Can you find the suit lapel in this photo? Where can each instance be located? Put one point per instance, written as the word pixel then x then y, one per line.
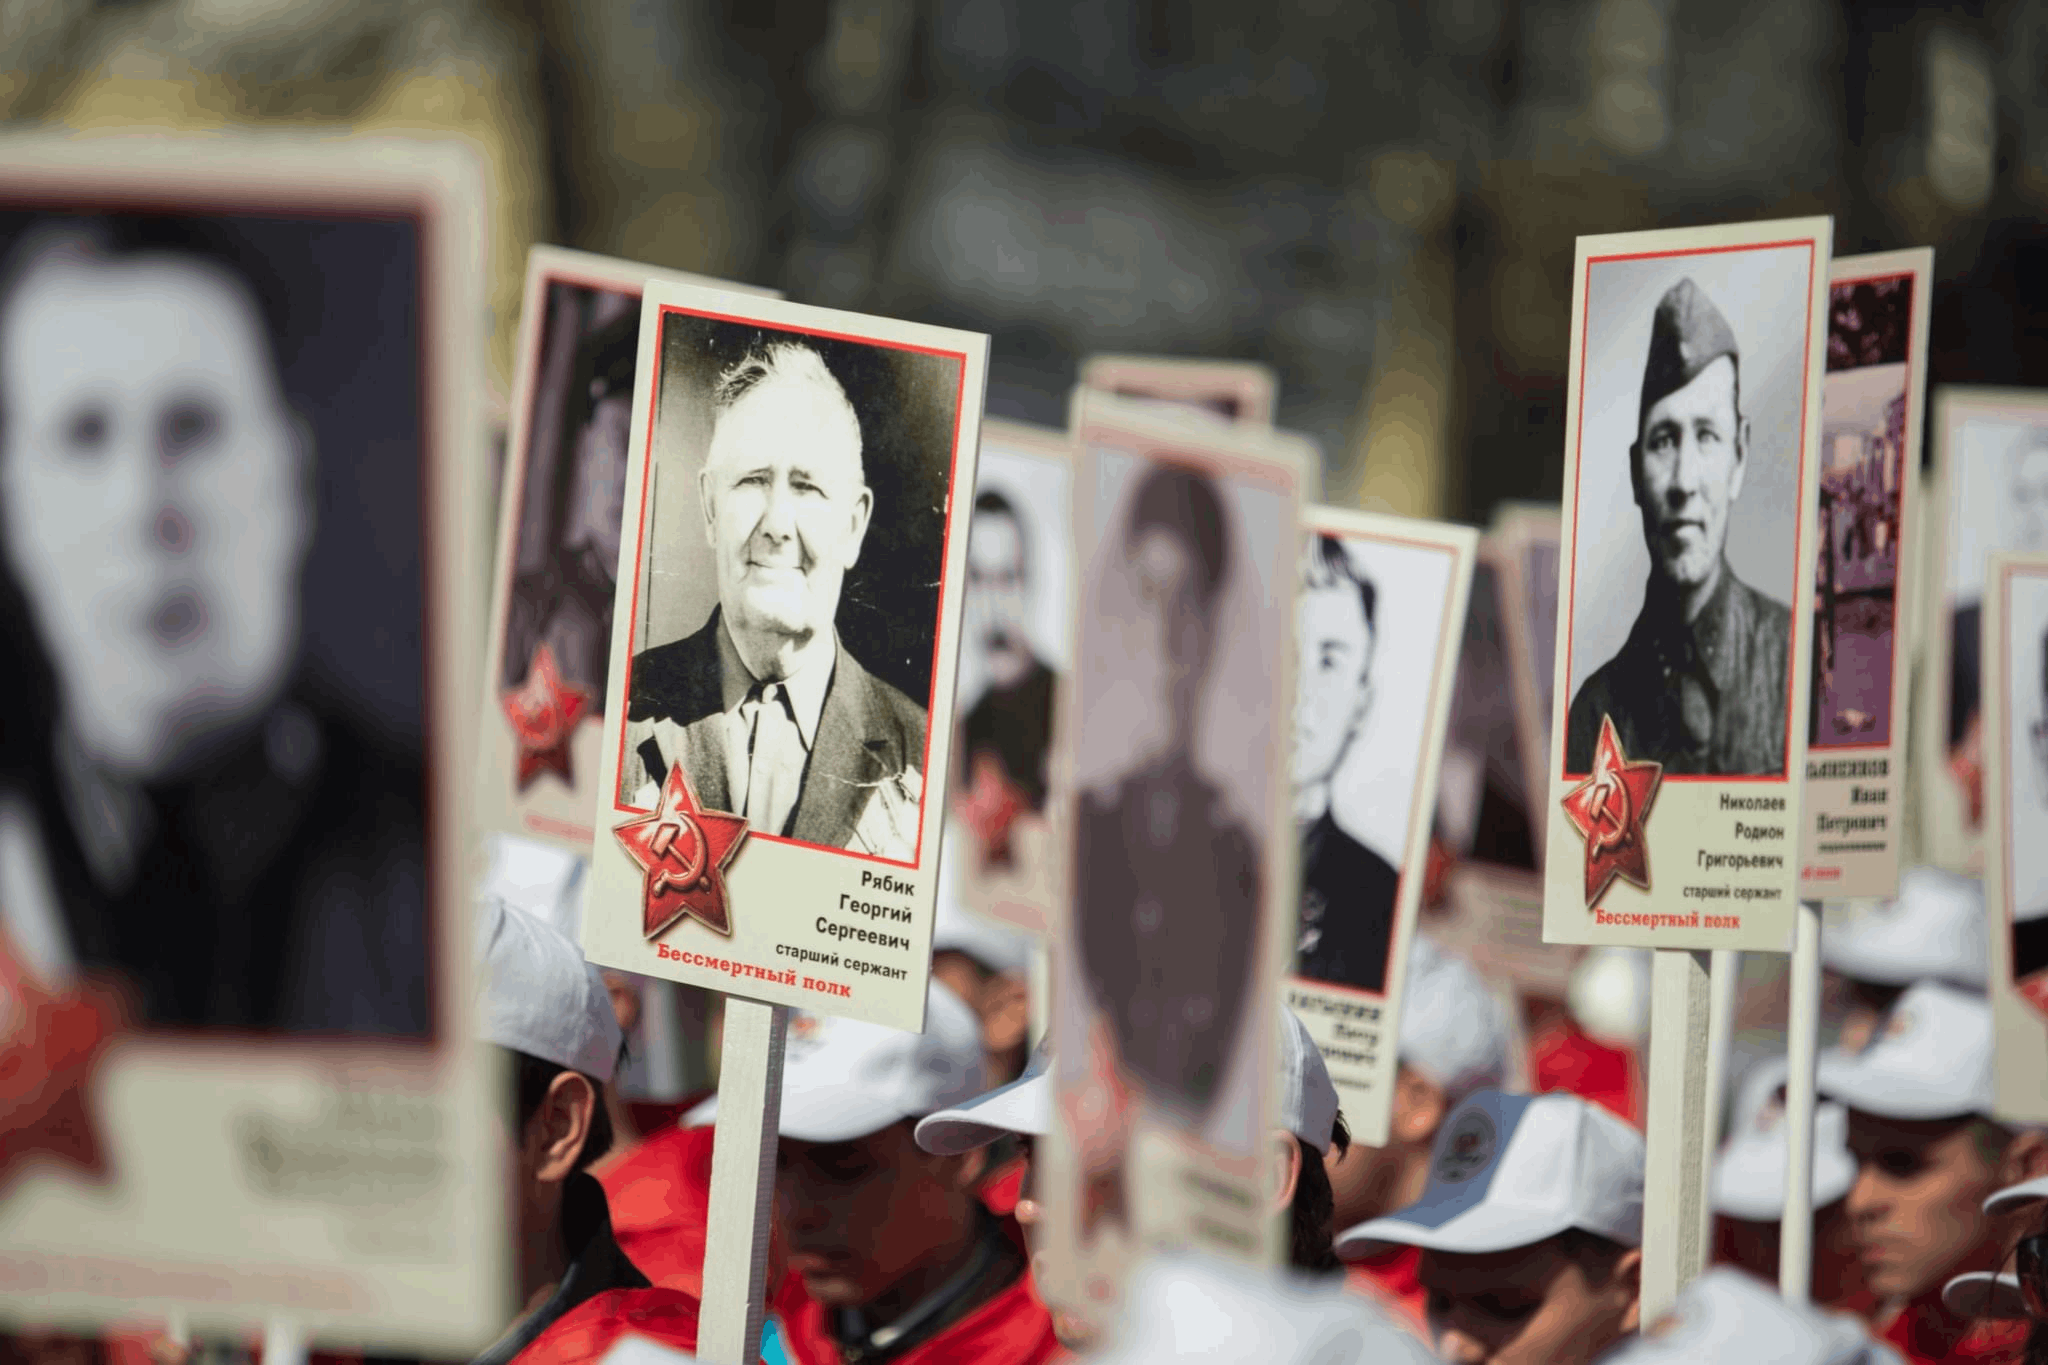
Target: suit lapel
pixel 844 765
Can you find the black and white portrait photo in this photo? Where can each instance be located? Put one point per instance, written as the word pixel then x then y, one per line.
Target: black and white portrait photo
pixel 2026 771
pixel 1014 634
pixel 784 651
pixel 572 496
pixel 1994 453
pixel 1689 466
pixel 214 429
pixel 1358 747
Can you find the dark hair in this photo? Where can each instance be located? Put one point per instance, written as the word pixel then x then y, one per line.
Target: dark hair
pixel 1596 1255
pixel 1313 1216
pixel 532 1077
pixel 996 504
pixel 1183 503
pixel 1331 567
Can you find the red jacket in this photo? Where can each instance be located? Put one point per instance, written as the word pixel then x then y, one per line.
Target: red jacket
pixel 1013 1328
pixel 660 1196
pixel 1389 1279
pixel 1924 1331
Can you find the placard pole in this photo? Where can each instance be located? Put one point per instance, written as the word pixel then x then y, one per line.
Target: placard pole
pixel 284 1342
pixel 1725 973
pixel 1802 1048
pixel 1673 1175
pixel 742 1182
pixel 1039 1002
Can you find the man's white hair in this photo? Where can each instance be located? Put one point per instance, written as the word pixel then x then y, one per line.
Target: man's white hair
pixel 769 362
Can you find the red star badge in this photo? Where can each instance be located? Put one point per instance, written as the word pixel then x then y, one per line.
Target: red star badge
pixel 1608 810
pixel 683 850
pixel 544 711
pixel 49 1047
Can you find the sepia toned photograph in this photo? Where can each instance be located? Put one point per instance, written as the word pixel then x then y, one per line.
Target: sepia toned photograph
pixel 1686 517
pixel 785 652
pixel 1672 818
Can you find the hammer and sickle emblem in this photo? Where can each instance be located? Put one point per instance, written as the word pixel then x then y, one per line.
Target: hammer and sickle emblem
pixel 1608 806
pixel 666 838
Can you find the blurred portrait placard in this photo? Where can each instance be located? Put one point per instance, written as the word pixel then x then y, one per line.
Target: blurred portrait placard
pixel 1015 647
pixel 1989 495
pixel 561 507
pixel 1526 540
pixel 1241 391
pixel 1373 589
pixel 241 445
pixel 1872 406
pixel 1169 951
pixel 2015 727
pixel 1679 716
pixel 798 500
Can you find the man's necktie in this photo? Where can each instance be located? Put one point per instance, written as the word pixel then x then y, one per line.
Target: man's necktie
pixel 774 758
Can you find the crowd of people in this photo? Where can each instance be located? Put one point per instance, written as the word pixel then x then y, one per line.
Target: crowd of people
pixel 1495 1224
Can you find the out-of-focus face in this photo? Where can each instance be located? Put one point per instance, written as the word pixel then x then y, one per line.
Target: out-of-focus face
pixel 1335 679
pixel 1172 649
pixel 1531 1306
pixel 600 486
pixel 997 597
pixel 1916 1209
pixel 155 501
pixel 1688 469
pixel 2030 496
pixel 785 510
pixel 858 1217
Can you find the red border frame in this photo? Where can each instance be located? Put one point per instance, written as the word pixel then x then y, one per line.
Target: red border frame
pixel 355 201
pixel 1439 697
pixel 1571 608
pixel 1898 503
pixel 945 540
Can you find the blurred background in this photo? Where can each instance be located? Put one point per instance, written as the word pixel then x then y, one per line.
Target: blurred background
pixel 1379 200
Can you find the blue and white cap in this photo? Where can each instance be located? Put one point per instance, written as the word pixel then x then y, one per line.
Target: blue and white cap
pixel 1727 1318
pixel 1509 1171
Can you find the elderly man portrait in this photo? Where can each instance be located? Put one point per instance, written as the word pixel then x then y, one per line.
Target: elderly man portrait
pixel 1347 890
pixel 770 715
pixel 1699 685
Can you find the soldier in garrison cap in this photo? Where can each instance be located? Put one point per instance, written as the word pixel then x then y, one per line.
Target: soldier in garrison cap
pixel 1699 685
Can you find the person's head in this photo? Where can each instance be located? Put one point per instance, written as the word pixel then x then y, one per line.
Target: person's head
pixel 1453 1042
pixel 155 492
pixel 541 1002
pixel 999 587
pixel 1337 635
pixel 785 498
pixel 601 406
pixel 1927 1156
pixel 1747 1187
pixel 1312 1131
pixel 988 966
pixel 1530 1228
pixel 1176 552
pixel 865 1216
pixel 1686 465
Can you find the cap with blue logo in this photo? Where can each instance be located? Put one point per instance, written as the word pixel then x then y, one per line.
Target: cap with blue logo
pixel 1509 1171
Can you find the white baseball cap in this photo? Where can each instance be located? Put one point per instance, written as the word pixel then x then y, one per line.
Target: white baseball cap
pixel 1981 1294
pixel 844 1079
pixel 1451 1028
pixel 537 995
pixel 1930 1059
pixel 1308 1100
pixel 1509 1171
pixel 1749 1172
pixel 1727 1318
pixel 1187 1307
pixel 1934 928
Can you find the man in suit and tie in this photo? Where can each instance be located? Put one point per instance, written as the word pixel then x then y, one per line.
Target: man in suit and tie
pixel 769 714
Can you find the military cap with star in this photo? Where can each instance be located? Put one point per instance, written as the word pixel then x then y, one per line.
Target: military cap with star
pixel 1687 334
